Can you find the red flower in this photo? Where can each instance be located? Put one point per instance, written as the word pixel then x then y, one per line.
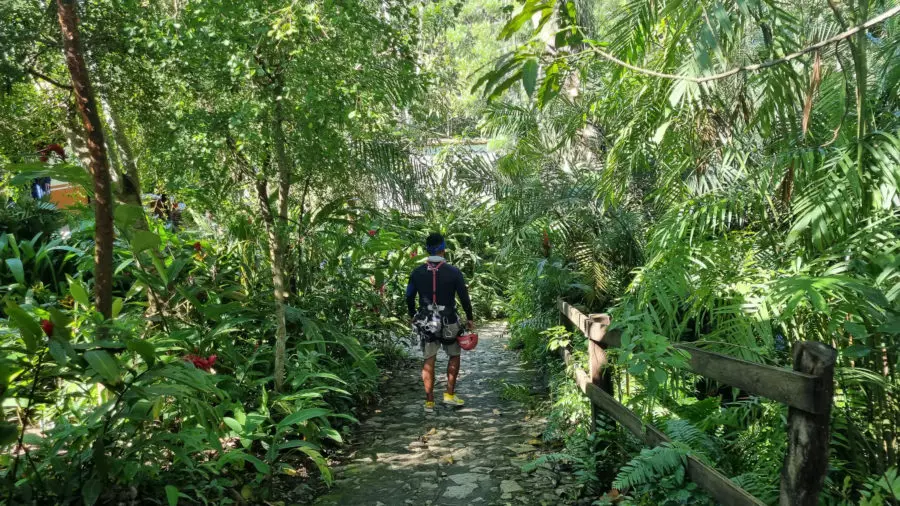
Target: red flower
pixel 414 253
pixel 200 362
pixel 372 233
pixel 197 246
pixel 47 325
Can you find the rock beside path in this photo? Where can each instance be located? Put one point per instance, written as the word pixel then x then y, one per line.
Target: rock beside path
pixel 454 456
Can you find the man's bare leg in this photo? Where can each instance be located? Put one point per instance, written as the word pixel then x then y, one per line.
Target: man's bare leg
pixel 428 377
pixel 452 371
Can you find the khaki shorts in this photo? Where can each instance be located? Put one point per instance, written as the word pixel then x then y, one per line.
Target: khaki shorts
pixel 452 350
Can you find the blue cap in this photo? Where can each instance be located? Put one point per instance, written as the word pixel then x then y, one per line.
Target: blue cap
pixel 432 250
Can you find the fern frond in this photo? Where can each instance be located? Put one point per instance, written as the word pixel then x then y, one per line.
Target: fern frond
pixel 653 463
pixel 701 443
pixel 551 458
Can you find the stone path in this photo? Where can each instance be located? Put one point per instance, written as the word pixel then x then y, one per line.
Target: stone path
pixel 468 455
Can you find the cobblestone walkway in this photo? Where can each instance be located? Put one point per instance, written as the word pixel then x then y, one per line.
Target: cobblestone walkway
pixel 468 455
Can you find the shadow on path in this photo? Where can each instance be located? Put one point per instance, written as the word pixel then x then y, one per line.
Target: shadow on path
pixel 468 455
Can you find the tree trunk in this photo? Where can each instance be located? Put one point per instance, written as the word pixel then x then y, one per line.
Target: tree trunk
pixel 99 164
pixel 277 279
pixel 129 193
pixel 75 137
pixel 273 228
pixel 281 158
pixel 130 186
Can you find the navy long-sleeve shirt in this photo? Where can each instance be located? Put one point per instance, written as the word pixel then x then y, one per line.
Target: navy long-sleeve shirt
pixel 450 283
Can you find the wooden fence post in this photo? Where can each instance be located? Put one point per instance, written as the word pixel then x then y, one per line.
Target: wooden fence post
pixel 806 460
pixel 599 370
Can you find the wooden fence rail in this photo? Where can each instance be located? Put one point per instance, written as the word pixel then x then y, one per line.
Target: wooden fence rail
pixel 808 391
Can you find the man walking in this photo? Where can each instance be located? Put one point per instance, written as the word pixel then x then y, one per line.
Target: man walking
pixel 437 284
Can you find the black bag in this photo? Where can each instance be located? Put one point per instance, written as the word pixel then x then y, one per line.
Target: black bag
pixel 428 325
pixel 432 326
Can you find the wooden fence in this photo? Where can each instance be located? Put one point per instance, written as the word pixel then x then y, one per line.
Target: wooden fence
pixel 808 391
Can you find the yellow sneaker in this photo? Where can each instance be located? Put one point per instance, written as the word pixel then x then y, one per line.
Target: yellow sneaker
pixel 429 406
pixel 453 399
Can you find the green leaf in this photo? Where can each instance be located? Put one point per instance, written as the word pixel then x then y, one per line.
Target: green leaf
pixel 320 462
pixel 260 466
pixel 233 424
pixel 659 375
pixel 172 495
pixel 529 76
pixel 68 172
pixel 28 249
pixel 296 443
pixel 661 133
pixel 505 85
pixel 61 321
pixel 856 330
pixel 144 240
pixel 117 306
pixel 856 351
pixel 123 265
pixel 333 434
pixel 638 369
pixel 127 215
pixel 302 416
pixel 11 239
pixel 91 491
pixel 160 268
pixel 105 364
pixel 17 269
pixel 175 268
pixel 519 20
pixel 29 328
pixel 79 293
pixel 100 460
pixel 58 352
pixel 145 349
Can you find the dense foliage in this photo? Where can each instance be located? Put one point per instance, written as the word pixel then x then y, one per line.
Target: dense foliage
pixel 724 173
pixel 742 210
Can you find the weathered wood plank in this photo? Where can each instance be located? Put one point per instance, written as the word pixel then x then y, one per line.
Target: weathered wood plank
pixel 650 435
pixel 806 459
pixel 599 370
pixel 593 326
pixel 715 483
pixel 718 485
pixel 793 388
pixel 808 390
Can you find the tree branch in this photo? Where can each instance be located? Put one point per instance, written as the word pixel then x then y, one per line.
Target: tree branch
pixel 758 66
pixel 49 79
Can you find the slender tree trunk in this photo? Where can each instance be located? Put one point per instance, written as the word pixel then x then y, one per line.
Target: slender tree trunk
pixel 273 228
pixel 130 186
pixel 299 283
pixel 129 193
pixel 99 164
pixel 75 137
pixel 281 157
pixel 275 254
